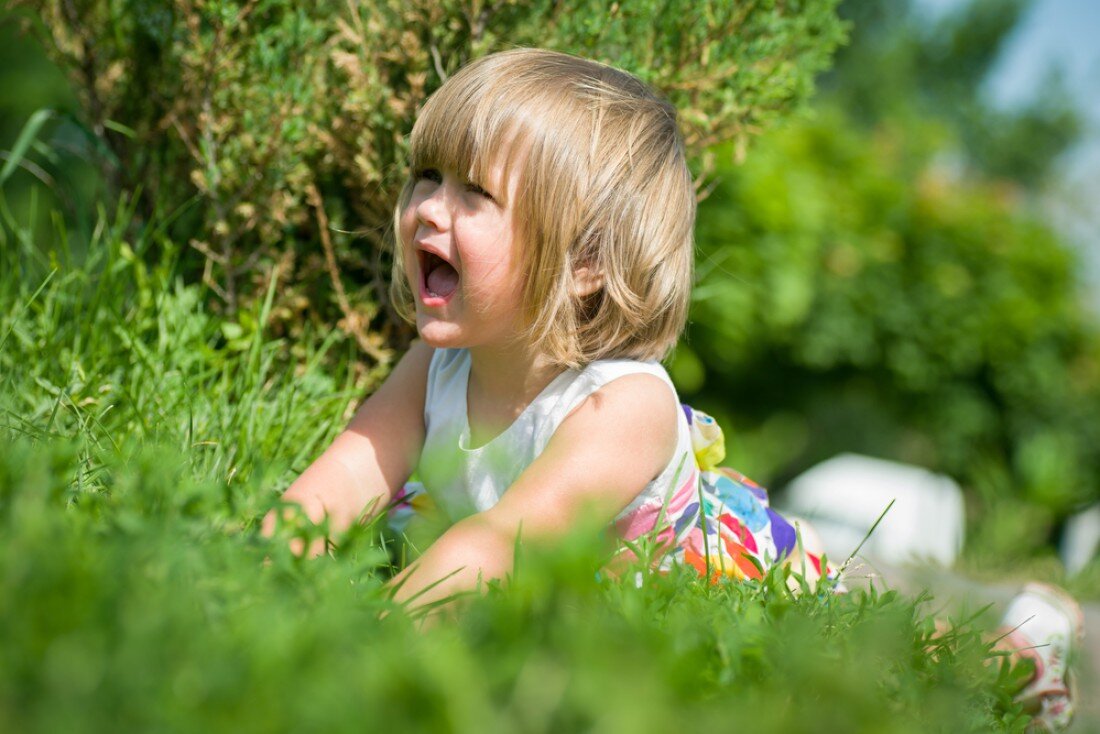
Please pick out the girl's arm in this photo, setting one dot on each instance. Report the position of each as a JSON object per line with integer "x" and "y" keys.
{"x": 371, "y": 459}
{"x": 598, "y": 460}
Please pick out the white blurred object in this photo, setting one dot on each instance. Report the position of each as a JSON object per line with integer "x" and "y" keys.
{"x": 844, "y": 495}
{"x": 1081, "y": 539}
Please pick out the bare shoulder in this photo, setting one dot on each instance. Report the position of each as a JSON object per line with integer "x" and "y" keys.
{"x": 634, "y": 395}
{"x": 383, "y": 440}
{"x": 635, "y": 412}
{"x": 412, "y": 369}
{"x": 402, "y": 392}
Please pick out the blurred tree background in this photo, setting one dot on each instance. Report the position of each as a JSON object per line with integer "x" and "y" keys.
{"x": 874, "y": 272}
{"x": 879, "y": 277}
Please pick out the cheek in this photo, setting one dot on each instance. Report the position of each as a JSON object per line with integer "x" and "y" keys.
{"x": 406, "y": 231}
{"x": 493, "y": 262}
{"x": 407, "y": 225}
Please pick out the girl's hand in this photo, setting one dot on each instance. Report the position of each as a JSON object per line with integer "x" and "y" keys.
{"x": 297, "y": 546}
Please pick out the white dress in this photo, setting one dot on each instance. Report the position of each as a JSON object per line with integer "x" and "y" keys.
{"x": 463, "y": 479}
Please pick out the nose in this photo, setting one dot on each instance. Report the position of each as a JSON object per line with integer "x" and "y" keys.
{"x": 432, "y": 211}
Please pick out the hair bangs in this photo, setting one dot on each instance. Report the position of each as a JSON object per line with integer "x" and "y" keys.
{"x": 468, "y": 128}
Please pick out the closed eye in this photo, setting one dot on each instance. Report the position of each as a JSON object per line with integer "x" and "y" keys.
{"x": 475, "y": 189}
{"x": 436, "y": 176}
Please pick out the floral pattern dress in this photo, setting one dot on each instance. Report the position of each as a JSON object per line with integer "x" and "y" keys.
{"x": 729, "y": 529}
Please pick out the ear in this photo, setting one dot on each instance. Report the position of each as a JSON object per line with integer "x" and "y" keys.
{"x": 586, "y": 281}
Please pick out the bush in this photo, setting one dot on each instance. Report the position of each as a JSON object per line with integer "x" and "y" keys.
{"x": 275, "y": 131}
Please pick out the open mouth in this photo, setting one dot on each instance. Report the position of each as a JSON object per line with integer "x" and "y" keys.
{"x": 438, "y": 277}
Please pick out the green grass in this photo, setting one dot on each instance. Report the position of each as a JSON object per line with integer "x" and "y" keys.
{"x": 145, "y": 437}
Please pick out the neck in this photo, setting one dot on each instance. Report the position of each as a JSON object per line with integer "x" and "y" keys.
{"x": 504, "y": 381}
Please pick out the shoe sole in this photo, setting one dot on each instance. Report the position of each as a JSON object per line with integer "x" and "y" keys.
{"x": 1063, "y": 602}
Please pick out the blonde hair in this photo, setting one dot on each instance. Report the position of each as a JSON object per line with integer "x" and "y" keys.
{"x": 603, "y": 185}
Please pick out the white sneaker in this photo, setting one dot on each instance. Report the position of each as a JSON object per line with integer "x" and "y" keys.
{"x": 1047, "y": 625}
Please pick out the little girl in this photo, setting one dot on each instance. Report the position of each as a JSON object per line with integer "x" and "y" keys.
{"x": 544, "y": 242}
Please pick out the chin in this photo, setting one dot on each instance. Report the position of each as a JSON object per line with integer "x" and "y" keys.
{"x": 439, "y": 334}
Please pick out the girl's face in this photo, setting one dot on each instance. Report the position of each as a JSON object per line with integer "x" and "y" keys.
{"x": 461, "y": 257}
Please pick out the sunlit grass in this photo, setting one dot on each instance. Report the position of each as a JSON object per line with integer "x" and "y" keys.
{"x": 144, "y": 438}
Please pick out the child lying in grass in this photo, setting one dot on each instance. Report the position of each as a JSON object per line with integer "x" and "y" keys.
{"x": 545, "y": 244}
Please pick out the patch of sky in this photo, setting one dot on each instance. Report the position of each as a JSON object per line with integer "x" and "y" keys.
{"x": 1057, "y": 37}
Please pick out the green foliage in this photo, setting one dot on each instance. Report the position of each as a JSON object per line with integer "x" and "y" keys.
{"x": 842, "y": 276}
{"x": 144, "y": 601}
{"x": 277, "y": 127}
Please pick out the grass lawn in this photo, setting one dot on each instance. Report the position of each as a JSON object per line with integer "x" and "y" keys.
{"x": 145, "y": 437}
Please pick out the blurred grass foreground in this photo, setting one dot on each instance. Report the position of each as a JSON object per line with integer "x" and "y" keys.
{"x": 196, "y": 204}
{"x": 134, "y": 593}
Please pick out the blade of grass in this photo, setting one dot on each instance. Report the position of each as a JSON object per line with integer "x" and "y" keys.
{"x": 866, "y": 537}
{"x": 23, "y": 142}
{"x": 26, "y": 305}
